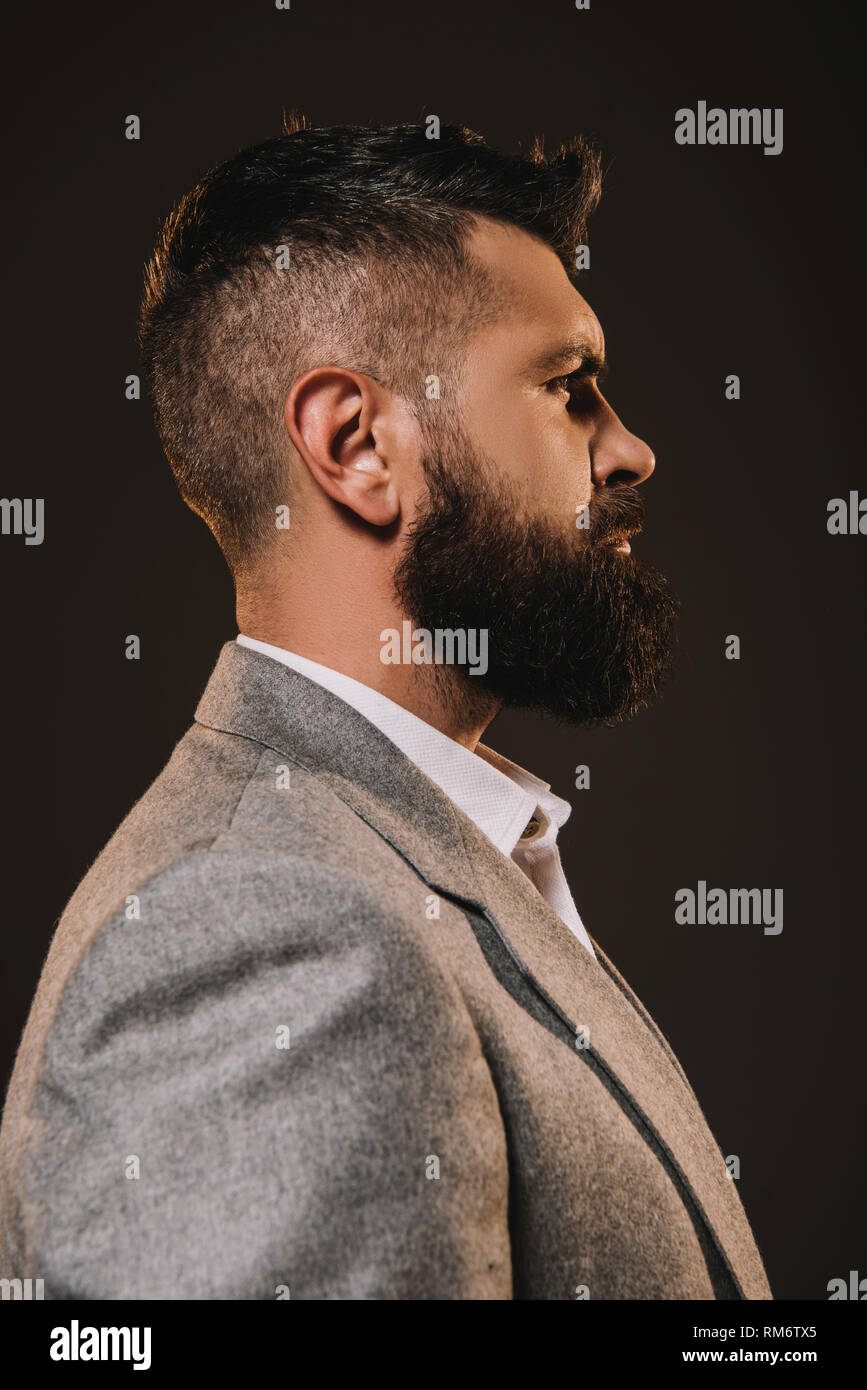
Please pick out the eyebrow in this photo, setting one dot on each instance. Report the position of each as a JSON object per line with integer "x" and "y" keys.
{"x": 576, "y": 350}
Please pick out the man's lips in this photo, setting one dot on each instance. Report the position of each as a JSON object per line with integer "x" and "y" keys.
{"x": 619, "y": 541}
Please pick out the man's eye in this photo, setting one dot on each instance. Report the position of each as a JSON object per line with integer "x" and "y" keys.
{"x": 568, "y": 384}
{"x": 558, "y": 383}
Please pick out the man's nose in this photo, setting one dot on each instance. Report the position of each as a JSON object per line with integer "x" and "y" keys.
{"x": 618, "y": 456}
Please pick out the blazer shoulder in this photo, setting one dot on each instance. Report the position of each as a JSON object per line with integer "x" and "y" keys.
{"x": 263, "y": 1034}
{"x": 216, "y": 917}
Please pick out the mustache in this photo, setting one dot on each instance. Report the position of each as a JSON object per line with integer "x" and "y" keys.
{"x": 615, "y": 514}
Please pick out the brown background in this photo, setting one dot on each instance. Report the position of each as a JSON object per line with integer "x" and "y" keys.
{"x": 706, "y": 261}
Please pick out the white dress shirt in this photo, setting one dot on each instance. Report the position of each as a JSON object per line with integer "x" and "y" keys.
{"x": 518, "y": 812}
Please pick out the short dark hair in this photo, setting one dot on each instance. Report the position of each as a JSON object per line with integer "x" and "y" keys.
{"x": 375, "y": 220}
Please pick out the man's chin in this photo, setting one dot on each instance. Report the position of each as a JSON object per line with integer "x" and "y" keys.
{"x": 595, "y": 662}
{"x": 570, "y": 705}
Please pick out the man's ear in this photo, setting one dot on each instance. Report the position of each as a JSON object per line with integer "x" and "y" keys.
{"x": 349, "y": 431}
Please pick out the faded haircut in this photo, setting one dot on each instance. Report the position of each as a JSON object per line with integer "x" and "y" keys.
{"x": 375, "y": 220}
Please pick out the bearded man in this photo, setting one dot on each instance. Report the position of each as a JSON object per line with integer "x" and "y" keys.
{"x": 322, "y": 1020}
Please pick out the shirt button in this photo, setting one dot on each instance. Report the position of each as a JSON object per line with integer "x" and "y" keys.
{"x": 532, "y": 829}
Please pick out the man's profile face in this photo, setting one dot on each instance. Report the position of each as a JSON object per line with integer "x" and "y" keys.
{"x": 577, "y": 626}
{"x": 555, "y": 444}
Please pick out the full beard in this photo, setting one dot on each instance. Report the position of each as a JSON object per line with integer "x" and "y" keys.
{"x": 576, "y": 630}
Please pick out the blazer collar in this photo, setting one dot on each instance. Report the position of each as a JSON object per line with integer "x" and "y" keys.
{"x": 252, "y": 695}
{"x": 495, "y": 793}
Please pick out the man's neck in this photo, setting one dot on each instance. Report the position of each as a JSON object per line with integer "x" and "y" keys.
{"x": 443, "y": 696}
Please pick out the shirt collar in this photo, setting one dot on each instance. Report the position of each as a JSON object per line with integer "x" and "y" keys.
{"x": 500, "y": 797}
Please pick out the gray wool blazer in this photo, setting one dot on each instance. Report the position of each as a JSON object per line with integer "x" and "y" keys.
{"x": 304, "y": 1032}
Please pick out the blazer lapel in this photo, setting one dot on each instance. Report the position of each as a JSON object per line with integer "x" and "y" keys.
{"x": 627, "y": 1042}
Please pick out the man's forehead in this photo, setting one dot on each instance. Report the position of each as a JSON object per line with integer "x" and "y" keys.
{"x": 546, "y": 321}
